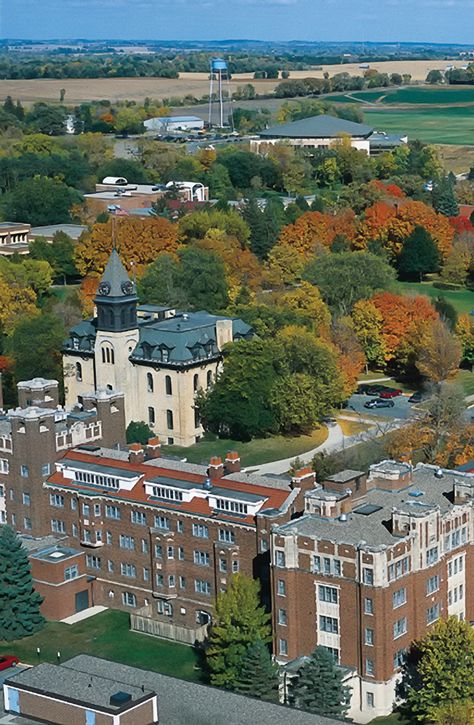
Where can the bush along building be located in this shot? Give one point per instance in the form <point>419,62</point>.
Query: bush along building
<point>157,356</point>
<point>373,562</point>
<point>162,537</point>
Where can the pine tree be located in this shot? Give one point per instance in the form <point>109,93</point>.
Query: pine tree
<point>444,200</point>
<point>253,215</point>
<point>257,675</point>
<point>9,106</point>
<point>19,603</point>
<point>318,686</point>
<point>239,621</point>
<point>419,255</point>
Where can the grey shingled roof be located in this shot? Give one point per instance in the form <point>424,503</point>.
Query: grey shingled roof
<point>115,274</point>
<point>374,529</point>
<point>187,702</point>
<point>322,126</point>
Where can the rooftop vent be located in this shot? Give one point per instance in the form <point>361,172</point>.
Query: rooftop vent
<point>439,473</point>
<point>120,698</point>
<point>343,517</point>
<point>207,484</point>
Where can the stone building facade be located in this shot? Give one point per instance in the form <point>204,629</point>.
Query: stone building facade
<point>158,357</point>
<point>371,565</point>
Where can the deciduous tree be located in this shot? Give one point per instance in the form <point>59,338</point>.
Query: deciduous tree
<point>439,352</point>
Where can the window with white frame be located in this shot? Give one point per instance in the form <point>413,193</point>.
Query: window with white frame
<point>93,562</point>
<point>71,572</point>
<point>399,627</point>
<point>328,624</point>
<point>280,558</point>
<point>368,636</point>
<point>432,613</point>
<point>201,558</point>
<point>399,568</point>
<point>129,599</point>
<point>281,588</point>
<point>126,542</point>
<point>4,465</point>
<point>399,597</point>
<point>58,527</point>
<point>202,587</point>
<point>368,605</point>
<point>138,517</point>
<point>327,594</point>
<point>226,535</point>
<point>162,522</point>
<point>200,531</point>
<point>432,556</point>
<point>128,570</point>
<point>432,584</point>
<point>112,512</point>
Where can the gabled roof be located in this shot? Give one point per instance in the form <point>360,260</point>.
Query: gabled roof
<point>322,126</point>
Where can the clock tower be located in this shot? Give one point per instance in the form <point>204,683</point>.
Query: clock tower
<point>116,298</point>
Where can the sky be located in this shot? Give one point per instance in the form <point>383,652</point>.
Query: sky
<point>449,21</point>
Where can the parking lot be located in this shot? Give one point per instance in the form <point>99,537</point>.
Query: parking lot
<point>402,409</point>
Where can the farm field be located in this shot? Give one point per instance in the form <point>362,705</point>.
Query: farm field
<point>419,95</point>
<point>450,125</point>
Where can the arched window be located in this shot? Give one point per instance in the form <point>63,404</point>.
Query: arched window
<point>169,419</point>
<point>108,354</point>
<point>151,416</point>
<point>149,382</point>
<point>197,421</point>
<point>209,378</point>
<point>168,385</point>
<point>196,382</point>
<point>79,371</point>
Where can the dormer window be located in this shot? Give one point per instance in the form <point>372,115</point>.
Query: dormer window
<point>165,354</point>
<point>75,343</point>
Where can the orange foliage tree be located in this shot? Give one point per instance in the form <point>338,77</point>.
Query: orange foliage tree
<point>241,265</point>
<point>139,242</point>
<point>87,292</point>
<point>314,228</point>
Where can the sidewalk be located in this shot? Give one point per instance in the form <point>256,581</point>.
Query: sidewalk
<point>333,442</point>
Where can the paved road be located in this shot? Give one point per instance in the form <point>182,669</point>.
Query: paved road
<point>401,410</point>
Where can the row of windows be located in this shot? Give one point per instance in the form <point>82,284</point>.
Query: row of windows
<point>169,418</point>
<point>329,566</point>
<point>455,539</point>
<point>25,470</point>
<point>456,594</point>
<point>200,558</point>
<point>455,565</point>
<point>201,586</point>
<point>398,569</point>
<point>97,479</point>
<point>236,507</point>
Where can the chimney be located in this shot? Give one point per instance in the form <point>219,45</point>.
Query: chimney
<point>136,453</point>
<point>232,462</point>
<point>216,467</point>
<point>304,478</point>
<point>153,448</point>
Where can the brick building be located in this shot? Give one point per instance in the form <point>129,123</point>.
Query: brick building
<point>161,537</point>
<point>371,565</point>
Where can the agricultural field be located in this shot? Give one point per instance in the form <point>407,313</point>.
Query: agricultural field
<point>419,95</point>
<point>444,125</point>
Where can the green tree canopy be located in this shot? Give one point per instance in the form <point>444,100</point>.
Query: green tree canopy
<point>35,347</point>
<point>20,614</point>
<point>444,199</point>
<point>439,669</point>
<point>39,200</point>
<point>419,255</point>
<point>197,224</point>
<point>47,119</point>
<point>133,171</point>
<point>318,686</point>
<point>138,432</point>
<point>257,675</point>
<point>347,277</point>
<point>239,621</point>
<point>160,284</point>
<point>59,253</point>
<point>201,277</point>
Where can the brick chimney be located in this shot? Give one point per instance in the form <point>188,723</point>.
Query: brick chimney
<point>153,448</point>
<point>216,467</point>
<point>136,453</point>
<point>232,462</point>
<point>304,478</point>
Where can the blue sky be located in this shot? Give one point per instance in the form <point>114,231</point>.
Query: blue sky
<point>399,20</point>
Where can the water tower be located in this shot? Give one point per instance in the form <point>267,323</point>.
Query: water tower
<point>220,100</point>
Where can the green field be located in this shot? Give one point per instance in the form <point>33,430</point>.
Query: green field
<point>411,94</point>
<point>107,635</point>
<point>462,300</point>
<point>446,126</point>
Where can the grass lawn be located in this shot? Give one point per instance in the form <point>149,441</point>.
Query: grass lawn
<point>450,125</point>
<point>462,300</point>
<point>466,379</point>
<point>253,453</point>
<point>107,635</point>
<point>352,427</point>
<point>393,719</point>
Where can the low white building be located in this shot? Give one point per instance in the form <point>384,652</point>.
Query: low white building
<point>170,124</point>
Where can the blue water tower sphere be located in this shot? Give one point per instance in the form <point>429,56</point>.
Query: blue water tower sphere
<point>218,64</point>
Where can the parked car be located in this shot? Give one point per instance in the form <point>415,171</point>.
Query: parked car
<point>417,397</point>
<point>379,403</point>
<point>391,393</point>
<point>370,389</point>
<point>7,661</point>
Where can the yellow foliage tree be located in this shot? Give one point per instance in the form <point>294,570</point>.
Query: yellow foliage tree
<point>16,301</point>
<point>307,299</point>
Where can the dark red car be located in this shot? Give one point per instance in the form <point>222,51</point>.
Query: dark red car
<point>7,661</point>
<point>390,393</point>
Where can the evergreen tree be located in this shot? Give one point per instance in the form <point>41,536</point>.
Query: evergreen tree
<point>19,111</point>
<point>253,215</point>
<point>20,614</point>
<point>419,255</point>
<point>257,675</point>
<point>9,106</point>
<point>239,622</point>
<point>138,432</point>
<point>444,200</point>
<point>318,686</point>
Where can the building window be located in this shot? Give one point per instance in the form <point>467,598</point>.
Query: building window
<point>161,522</point>
<point>149,382</point>
<point>108,537</point>
<point>327,594</point>
<point>399,627</point>
<point>201,531</point>
<point>197,419</point>
<point>399,597</point>
<point>432,614</point>
<point>399,569</point>
<point>370,699</point>
<point>235,566</point>
<point>369,667</point>
<point>75,532</point>
<point>201,558</point>
<point>280,559</point>
<point>146,574</point>
<point>368,576</point>
<point>163,607</point>
<point>27,523</point>
<point>432,585</point>
<point>281,588</point>
<point>92,562</point>
<point>112,512</point>
<point>45,469</point>
<point>151,415</point>
<point>158,551</point>
<point>180,527</point>
<point>328,624</point>
<point>128,570</point>
<point>73,504</point>
<point>209,378</point>
<point>368,605</point>
<point>79,372</point>
<point>195,382</point>
<point>97,509</point>
<point>369,636</point>
<point>169,419</point>
<point>432,556</point>
<point>85,510</point>
<point>398,659</point>
<point>71,572</point>
<point>171,581</point>
<point>160,580</point>
<point>170,552</point>
<point>126,542</point>
<point>58,527</point>
<point>282,647</point>
<point>223,565</point>
<point>168,385</point>
<point>138,517</point>
<point>226,535</point>
<point>182,582</point>
<point>181,553</point>
<point>24,471</point>
<point>334,652</point>
<point>110,566</point>
<point>108,354</point>
<point>26,499</point>
<point>144,546</point>
<point>282,619</point>
<point>202,587</point>
<point>129,599</point>
<point>4,465</point>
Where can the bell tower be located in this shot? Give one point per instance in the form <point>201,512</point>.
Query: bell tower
<point>116,298</point>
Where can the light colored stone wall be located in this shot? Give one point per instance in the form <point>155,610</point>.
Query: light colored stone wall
<point>73,387</point>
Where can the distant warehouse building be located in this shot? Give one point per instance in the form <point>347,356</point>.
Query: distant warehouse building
<point>170,124</point>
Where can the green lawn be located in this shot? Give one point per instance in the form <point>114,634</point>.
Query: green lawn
<point>411,95</point>
<point>252,453</point>
<point>393,719</point>
<point>466,379</point>
<point>449,125</point>
<point>107,635</point>
<point>462,300</point>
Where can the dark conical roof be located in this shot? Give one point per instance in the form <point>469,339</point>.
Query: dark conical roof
<point>115,281</point>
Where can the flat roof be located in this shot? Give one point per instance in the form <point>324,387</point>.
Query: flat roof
<point>322,126</point>
<point>14,225</point>
<point>56,554</point>
<point>72,230</point>
<point>80,687</point>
